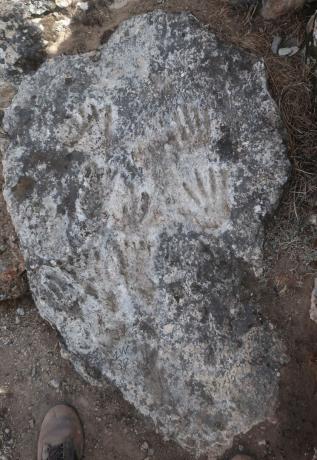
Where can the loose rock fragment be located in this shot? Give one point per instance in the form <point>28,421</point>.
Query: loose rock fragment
<point>276,44</point>
<point>118,4</point>
<point>40,7</point>
<point>288,51</point>
<point>313,306</point>
<point>83,5</point>
<point>54,383</point>
<point>63,3</point>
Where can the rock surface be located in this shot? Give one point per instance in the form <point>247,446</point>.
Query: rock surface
<point>20,50</point>
<point>28,30</point>
<point>138,185</point>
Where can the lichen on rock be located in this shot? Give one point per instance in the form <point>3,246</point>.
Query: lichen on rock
<point>138,185</point>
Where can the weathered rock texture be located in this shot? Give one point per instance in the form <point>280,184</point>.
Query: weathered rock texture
<point>138,185</point>
<point>21,51</point>
<point>28,30</point>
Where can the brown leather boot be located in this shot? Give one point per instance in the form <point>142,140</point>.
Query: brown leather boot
<point>61,436</point>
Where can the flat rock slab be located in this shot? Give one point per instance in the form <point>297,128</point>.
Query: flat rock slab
<point>138,183</point>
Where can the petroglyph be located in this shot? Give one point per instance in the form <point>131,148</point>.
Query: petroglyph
<point>88,121</point>
<point>210,194</point>
<point>148,175</point>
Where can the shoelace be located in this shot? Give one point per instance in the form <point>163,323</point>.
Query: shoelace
<point>63,451</point>
<point>56,453</point>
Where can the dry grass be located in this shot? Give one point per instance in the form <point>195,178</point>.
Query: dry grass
<point>292,86</point>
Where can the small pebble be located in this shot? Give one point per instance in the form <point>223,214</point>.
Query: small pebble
<point>145,446</point>
<point>17,320</point>
<point>276,44</point>
<point>54,383</point>
<point>20,312</point>
<point>83,5</point>
<point>283,52</point>
<point>31,423</point>
<point>63,3</point>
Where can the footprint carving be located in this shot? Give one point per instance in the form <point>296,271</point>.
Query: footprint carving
<point>207,198</point>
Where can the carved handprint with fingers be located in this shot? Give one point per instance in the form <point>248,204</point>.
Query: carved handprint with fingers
<point>128,203</point>
<point>207,196</point>
<point>182,132</point>
<point>192,125</point>
<point>188,126</point>
<point>135,207</point>
<point>88,118</point>
<point>185,139</point>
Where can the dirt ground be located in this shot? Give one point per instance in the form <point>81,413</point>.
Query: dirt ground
<point>34,377</point>
<point>32,374</point>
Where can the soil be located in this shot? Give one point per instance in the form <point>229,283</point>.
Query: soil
<point>33,376</point>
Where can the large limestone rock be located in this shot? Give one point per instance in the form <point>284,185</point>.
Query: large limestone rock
<point>138,181</point>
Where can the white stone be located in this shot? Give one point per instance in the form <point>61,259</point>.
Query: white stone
<point>118,4</point>
<point>83,5</point>
<point>288,51</point>
<point>63,3</point>
<point>313,305</point>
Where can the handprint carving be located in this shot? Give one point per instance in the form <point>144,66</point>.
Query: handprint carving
<point>188,126</point>
<point>207,198</point>
<point>199,194</point>
<point>83,122</point>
